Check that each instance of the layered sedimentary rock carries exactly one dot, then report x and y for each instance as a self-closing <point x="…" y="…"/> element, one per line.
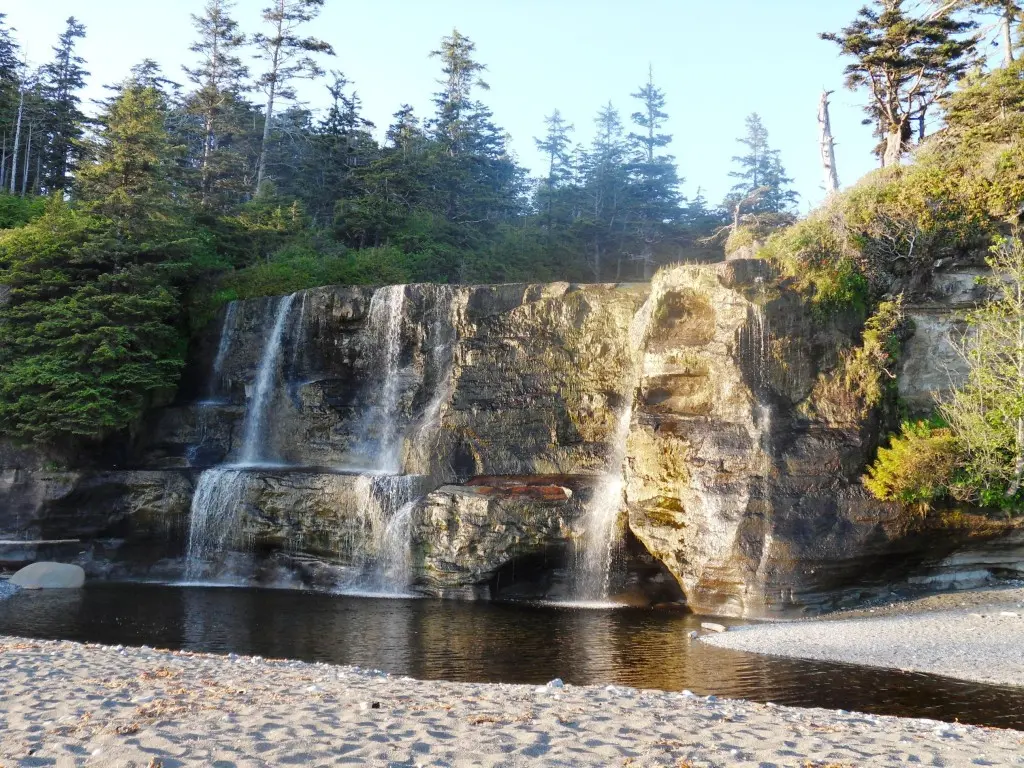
<point x="504" y="403"/>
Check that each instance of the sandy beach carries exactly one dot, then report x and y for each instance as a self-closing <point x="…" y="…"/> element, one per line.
<point x="67" y="704"/>
<point x="976" y="636"/>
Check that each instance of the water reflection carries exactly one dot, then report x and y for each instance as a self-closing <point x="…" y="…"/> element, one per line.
<point x="488" y="643"/>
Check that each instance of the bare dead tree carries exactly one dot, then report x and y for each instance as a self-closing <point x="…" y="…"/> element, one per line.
<point x="828" y="145"/>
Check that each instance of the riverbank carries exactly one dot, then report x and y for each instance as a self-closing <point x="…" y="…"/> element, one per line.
<point x="67" y="704"/>
<point x="976" y="636"/>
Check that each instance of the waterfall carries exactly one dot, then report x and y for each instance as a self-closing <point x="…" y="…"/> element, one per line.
<point x="386" y="503"/>
<point x="259" y="403"/>
<point x="384" y="327"/>
<point x="395" y="555"/>
<point x="216" y="503"/>
<point x="594" y="564"/>
<point x="755" y="344"/>
<point x="442" y="339"/>
<point x="213" y="517"/>
<point x="213" y="386"/>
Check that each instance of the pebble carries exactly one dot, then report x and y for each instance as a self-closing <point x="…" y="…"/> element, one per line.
<point x="556" y="683"/>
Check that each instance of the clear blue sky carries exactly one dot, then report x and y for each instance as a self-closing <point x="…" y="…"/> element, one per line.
<point x="717" y="62"/>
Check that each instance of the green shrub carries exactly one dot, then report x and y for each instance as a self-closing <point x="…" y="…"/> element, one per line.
<point x="918" y="467"/>
<point x="296" y="267"/>
<point x="18" y="211"/>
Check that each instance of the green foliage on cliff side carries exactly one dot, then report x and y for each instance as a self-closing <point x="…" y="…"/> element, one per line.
<point x="918" y="467"/>
<point x="865" y="378"/>
<point x="987" y="412"/>
<point x="977" y="448"/>
<point x="18" y="211"/>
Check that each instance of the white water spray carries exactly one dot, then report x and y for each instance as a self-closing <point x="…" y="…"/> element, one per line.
<point x="384" y="326"/>
<point x="263" y="389"/>
<point x="442" y="338"/>
<point x="594" y="567"/>
<point x="214" y="517"/>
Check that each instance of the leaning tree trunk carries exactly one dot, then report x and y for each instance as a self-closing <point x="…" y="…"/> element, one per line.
<point x="261" y="167"/>
<point x="893" y="146"/>
<point x="828" y="146"/>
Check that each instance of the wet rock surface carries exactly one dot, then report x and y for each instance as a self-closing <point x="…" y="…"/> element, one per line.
<point x="741" y="479"/>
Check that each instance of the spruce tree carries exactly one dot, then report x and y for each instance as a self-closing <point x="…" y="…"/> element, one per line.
<point x="392" y="187"/>
<point x="10" y="91"/>
<point x="654" y="187"/>
<point x="63" y="78"/>
<point x="477" y="177"/>
<point x="762" y="181"/>
<point x="555" y="146"/>
<point x="219" y="78"/>
<point x="287" y="55"/>
<point x="605" y="179"/>
<point x="341" y="146"/>
<point x="905" y="62"/>
<point x="1008" y="13"/>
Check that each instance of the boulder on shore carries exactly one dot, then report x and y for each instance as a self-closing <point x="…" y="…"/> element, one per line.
<point x="49" y="576"/>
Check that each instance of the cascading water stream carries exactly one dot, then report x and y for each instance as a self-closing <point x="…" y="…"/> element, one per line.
<point x="755" y="345"/>
<point x="592" y="580"/>
<point x="384" y="327"/>
<point x="263" y="389"/>
<point x="214" y="513"/>
<point x="395" y="499"/>
<point x="213" y="386"/>
<point x="442" y="338"/>
<point x="213" y="521"/>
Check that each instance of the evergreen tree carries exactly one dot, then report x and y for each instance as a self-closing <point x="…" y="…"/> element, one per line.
<point x="63" y="78"/>
<point x="287" y="56"/>
<point x="905" y="62"/>
<point x="605" y="175"/>
<point x="1007" y="11"/>
<point x="479" y="180"/>
<point x="762" y="179"/>
<point x="88" y="335"/>
<point x="131" y="180"/>
<point x="392" y="186"/>
<point x="555" y="146"/>
<point x="219" y="78"/>
<point x="341" y="145"/>
<point x="655" y="199"/>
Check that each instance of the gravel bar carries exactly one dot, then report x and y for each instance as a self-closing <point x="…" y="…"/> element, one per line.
<point x="980" y="640"/>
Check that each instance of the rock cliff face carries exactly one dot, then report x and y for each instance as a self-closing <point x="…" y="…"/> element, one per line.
<point x="453" y="441"/>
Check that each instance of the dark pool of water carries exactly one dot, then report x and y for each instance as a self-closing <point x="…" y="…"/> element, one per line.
<point x="487" y="642"/>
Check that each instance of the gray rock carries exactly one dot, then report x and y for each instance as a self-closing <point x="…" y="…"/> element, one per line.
<point x="49" y="576"/>
<point x="711" y="626"/>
